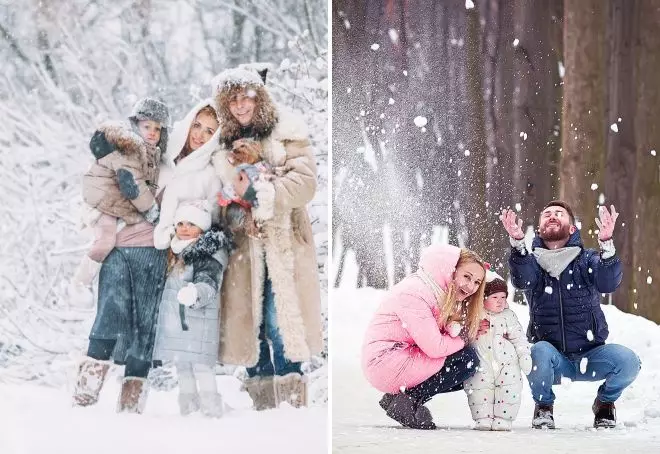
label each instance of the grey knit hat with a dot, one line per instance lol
(151, 109)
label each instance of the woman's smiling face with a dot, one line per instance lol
(467, 279)
(201, 130)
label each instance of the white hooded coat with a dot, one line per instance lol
(193, 178)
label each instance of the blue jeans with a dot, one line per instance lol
(277, 364)
(616, 364)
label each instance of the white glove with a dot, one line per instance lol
(187, 295)
(454, 329)
(525, 364)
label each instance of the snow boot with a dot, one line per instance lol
(211, 405)
(409, 413)
(133, 395)
(261, 391)
(292, 389)
(91, 376)
(188, 403)
(385, 401)
(483, 424)
(500, 424)
(543, 418)
(604, 414)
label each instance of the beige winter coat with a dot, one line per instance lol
(289, 252)
(133, 154)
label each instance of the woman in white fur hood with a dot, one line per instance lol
(271, 287)
(187, 173)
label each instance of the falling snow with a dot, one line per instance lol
(420, 121)
(649, 280)
(548, 290)
(375, 46)
(590, 336)
(614, 127)
(394, 35)
(594, 186)
(469, 4)
(652, 152)
(583, 365)
(516, 42)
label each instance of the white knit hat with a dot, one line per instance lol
(194, 211)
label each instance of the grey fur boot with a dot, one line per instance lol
(133, 395)
(91, 376)
(188, 403)
(291, 388)
(261, 391)
(211, 405)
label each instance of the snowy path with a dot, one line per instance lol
(36, 420)
(360, 426)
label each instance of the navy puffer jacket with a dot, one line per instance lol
(563, 311)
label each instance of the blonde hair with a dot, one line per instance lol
(475, 313)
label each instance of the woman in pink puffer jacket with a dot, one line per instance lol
(423, 324)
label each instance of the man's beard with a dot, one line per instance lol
(556, 235)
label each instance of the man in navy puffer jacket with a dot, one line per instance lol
(563, 283)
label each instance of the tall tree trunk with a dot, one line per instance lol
(536, 75)
(479, 233)
(501, 188)
(647, 182)
(584, 129)
(621, 152)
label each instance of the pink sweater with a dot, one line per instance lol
(403, 344)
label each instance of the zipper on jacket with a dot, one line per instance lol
(561, 316)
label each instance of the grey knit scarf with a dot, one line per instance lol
(554, 261)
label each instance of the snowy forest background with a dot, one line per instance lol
(446, 112)
(67, 66)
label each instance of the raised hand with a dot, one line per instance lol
(512, 225)
(606, 222)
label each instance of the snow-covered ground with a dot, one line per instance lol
(359, 425)
(38, 419)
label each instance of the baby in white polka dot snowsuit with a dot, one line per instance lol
(494, 391)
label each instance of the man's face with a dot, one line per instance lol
(555, 224)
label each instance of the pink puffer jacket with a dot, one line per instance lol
(404, 345)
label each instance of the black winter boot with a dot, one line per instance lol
(543, 418)
(409, 413)
(604, 414)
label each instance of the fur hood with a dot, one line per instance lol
(266, 117)
(199, 158)
(125, 140)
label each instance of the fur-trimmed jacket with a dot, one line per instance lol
(190, 333)
(122, 180)
(191, 178)
(287, 247)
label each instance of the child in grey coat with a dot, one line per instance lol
(188, 329)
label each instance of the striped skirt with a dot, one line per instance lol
(131, 283)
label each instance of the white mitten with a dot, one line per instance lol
(454, 329)
(525, 364)
(187, 295)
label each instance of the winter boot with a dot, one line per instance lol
(211, 405)
(500, 424)
(407, 412)
(261, 391)
(91, 375)
(604, 414)
(133, 395)
(188, 403)
(385, 401)
(291, 388)
(543, 418)
(483, 424)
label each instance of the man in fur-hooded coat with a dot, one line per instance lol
(287, 247)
